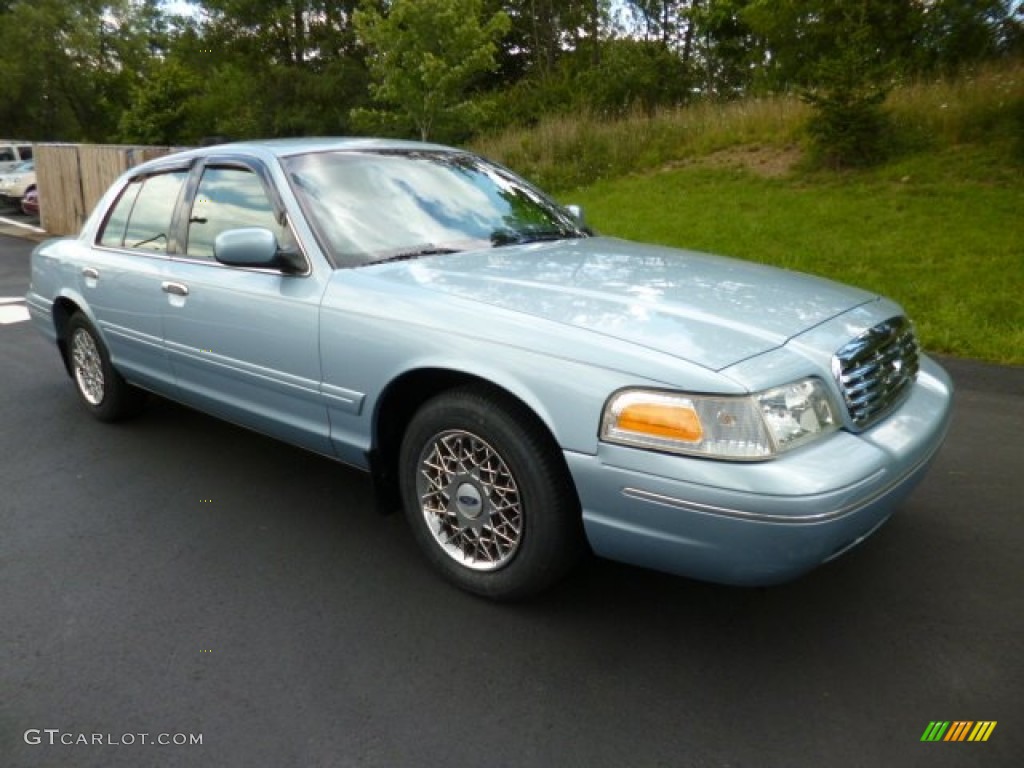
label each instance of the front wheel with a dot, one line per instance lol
(101, 388)
(488, 495)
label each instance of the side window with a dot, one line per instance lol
(6, 154)
(117, 221)
(25, 152)
(229, 198)
(141, 217)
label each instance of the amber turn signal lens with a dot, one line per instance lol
(667, 421)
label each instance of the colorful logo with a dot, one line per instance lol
(958, 730)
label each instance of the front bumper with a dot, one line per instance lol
(760, 523)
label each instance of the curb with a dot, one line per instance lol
(15, 228)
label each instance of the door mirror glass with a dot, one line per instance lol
(247, 247)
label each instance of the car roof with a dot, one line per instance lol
(278, 148)
(285, 147)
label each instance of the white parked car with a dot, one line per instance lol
(17, 182)
(13, 153)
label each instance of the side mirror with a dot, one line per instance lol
(576, 212)
(254, 247)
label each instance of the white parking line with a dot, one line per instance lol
(12, 310)
(21, 224)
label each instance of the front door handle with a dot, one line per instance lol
(178, 289)
(91, 273)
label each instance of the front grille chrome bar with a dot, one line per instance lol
(875, 370)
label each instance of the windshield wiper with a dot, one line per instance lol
(415, 253)
(502, 237)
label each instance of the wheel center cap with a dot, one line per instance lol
(468, 501)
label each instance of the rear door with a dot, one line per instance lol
(122, 275)
(243, 343)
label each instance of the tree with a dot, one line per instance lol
(160, 111)
(67, 68)
(634, 74)
(955, 33)
(274, 67)
(424, 58)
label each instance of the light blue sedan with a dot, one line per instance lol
(524, 389)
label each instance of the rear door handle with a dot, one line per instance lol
(178, 289)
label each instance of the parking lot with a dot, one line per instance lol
(175, 576)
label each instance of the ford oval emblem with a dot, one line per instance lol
(468, 501)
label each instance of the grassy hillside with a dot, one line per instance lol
(939, 227)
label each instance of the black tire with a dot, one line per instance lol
(102, 390)
(488, 495)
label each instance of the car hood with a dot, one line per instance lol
(708, 310)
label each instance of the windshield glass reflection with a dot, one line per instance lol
(369, 207)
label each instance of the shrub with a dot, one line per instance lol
(849, 126)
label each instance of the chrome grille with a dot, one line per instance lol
(876, 369)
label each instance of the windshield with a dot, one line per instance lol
(373, 206)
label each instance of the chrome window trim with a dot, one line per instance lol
(210, 262)
(260, 270)
(162, 255)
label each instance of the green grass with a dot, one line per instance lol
(927, 232)
(939, 227)
(566, 151)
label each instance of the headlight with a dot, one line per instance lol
(756, 426)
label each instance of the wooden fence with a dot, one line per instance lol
(73, 177)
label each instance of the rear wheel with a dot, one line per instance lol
(101, 388)
(488, 495)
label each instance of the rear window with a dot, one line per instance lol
(141, 217)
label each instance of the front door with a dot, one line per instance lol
(243, 343)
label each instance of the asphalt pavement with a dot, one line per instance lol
(176, 577)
